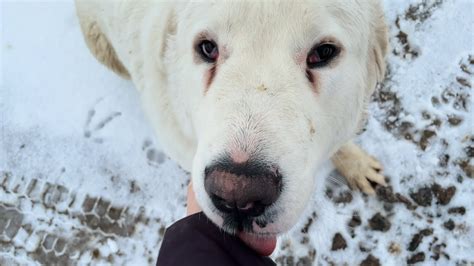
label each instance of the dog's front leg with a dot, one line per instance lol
(358, 168)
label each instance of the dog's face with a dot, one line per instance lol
(269, 90)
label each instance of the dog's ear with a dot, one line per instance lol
(102, 49)
(96, 40)
(378, 47)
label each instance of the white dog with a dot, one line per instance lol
(251, 97)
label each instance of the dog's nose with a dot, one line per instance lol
(246, 189)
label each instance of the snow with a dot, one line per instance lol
(79, 163)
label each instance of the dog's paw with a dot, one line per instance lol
(359, 168)
(362, 171)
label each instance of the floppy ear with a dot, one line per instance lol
(378, 47)
(96, 40)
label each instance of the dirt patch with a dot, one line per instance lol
(423, 10)
(338, 242)
(422, 196)
(378, 222)
(418, 257)
(370, 261)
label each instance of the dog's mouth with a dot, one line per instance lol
(237, 222)
(256, 232)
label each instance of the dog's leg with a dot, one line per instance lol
(358, 168)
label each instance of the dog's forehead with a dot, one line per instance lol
(277, 21)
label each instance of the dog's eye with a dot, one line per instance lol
(208, 51)
(321, 55)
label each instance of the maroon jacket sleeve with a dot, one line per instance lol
(195, 240)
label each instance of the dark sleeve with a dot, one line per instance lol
(195, 240)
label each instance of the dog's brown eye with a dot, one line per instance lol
(208, 51)
(321, 55)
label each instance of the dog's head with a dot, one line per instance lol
(270, 90)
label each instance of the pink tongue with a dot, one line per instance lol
(263, 245)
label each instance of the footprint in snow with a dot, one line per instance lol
(94, 124)
(154, 157)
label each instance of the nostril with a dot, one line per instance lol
(246, 206)
(221, 204)
(227, 206)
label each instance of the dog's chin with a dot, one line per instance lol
(254, 226)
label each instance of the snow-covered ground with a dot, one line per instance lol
(83, 180)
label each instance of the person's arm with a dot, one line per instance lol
(195, 240)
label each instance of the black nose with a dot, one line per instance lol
(246, 189)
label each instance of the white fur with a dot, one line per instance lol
(260, 97)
